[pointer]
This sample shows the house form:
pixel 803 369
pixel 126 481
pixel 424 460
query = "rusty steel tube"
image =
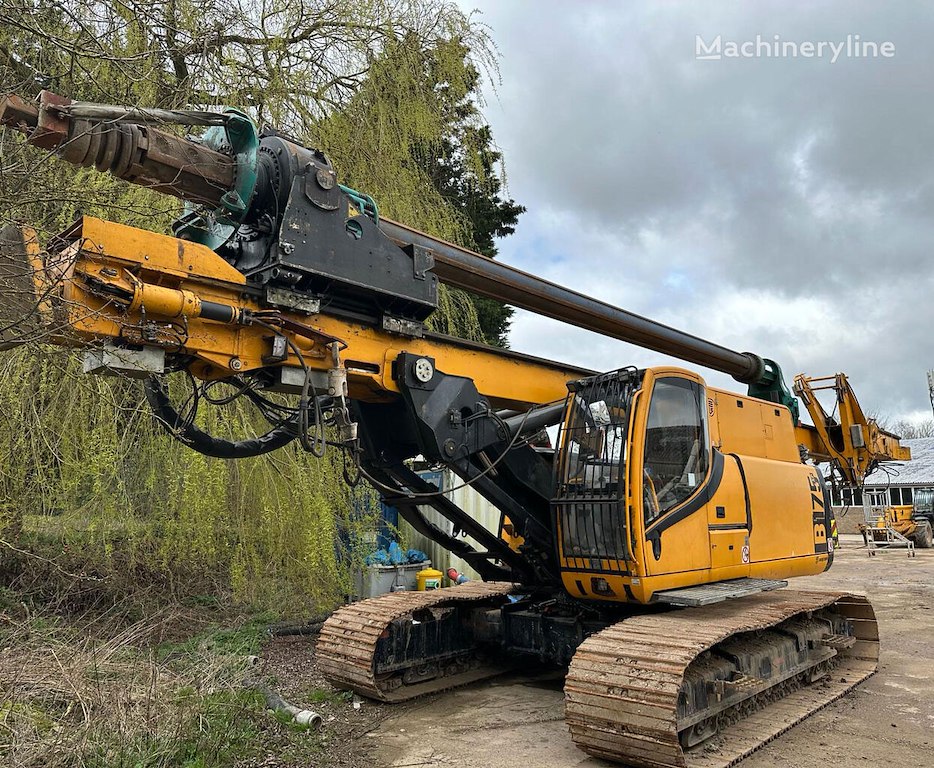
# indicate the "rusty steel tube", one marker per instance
pixel 134 152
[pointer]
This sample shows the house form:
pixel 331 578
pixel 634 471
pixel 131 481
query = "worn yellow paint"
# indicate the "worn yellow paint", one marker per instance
pixel 164 255
pixel 168 280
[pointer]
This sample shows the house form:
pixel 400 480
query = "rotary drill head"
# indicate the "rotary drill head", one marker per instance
pixel 131 151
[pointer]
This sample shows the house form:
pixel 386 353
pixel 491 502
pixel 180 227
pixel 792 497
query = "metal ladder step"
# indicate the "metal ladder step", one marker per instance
pixel 705 594
pixel 838 642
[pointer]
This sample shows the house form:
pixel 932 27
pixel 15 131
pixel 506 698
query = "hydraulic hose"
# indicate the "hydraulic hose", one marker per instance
pixel 197 439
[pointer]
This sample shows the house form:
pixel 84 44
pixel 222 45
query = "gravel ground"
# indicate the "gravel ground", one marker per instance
pixel 289 664
pixel 518 720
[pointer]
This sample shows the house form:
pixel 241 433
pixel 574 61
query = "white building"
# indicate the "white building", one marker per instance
pixel 897 480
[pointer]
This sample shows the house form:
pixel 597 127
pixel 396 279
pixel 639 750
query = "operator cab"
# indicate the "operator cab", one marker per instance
pixel 591 489
pixel 658 480
pixel 677 451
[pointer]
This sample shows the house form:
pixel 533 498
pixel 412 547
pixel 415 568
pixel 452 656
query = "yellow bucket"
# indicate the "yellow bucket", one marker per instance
pixel 428 578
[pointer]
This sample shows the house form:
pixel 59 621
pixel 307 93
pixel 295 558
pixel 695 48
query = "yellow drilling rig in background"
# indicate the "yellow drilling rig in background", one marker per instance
pixel 650 545
pixel 853 446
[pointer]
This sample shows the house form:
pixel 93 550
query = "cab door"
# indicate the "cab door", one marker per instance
pixel 676 472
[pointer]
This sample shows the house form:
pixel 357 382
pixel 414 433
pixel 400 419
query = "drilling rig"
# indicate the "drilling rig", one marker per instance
pixel 648 552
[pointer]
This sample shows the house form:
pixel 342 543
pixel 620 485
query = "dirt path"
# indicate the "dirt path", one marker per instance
pixel 518 722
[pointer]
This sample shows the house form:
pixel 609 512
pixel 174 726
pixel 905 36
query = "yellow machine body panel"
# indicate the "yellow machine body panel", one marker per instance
pixel 715 489
pixel 749 427
pixel 111 281
pixel 898 513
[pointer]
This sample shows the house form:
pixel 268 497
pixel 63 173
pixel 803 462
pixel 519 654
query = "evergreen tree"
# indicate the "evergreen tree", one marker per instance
pixel 437 145
pixel 474 189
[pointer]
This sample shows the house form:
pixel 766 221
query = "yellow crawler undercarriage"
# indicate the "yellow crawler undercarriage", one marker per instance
pixel 663 690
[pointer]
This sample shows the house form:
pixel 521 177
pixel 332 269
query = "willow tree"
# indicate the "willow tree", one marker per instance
pixel 360 80
pixel 438 145
pixel 290 63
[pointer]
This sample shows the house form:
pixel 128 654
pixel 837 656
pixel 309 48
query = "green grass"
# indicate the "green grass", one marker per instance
pixel 222 728
pixel 321 695
pixel 180 704
pixel 132 665
pixel 245 639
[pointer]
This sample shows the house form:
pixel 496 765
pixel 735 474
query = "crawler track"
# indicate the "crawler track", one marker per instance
pixel 624 685
pixel 347 649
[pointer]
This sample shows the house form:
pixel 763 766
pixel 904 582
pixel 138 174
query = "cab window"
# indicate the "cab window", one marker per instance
pixel 595 448
pixel 676 445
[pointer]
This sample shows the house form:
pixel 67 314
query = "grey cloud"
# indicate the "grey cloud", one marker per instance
pixel 669 185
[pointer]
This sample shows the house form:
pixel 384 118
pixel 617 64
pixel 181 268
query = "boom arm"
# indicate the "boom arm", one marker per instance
pixel 852 443
pixel 289 261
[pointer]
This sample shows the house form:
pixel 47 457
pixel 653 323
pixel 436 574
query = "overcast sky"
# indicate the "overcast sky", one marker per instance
pixel 779 205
